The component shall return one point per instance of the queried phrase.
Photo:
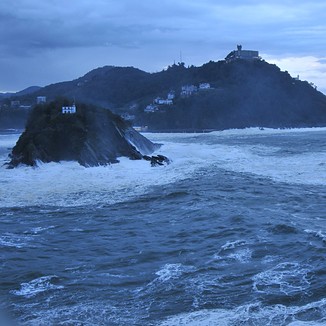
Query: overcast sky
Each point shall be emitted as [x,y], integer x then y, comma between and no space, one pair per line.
[47,41]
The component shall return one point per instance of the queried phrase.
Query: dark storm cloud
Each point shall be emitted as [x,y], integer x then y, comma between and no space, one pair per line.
[34,25]
[73,36]
[31,24]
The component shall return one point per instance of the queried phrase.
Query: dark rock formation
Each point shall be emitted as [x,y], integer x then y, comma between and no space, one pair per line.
[157,160]
[92,136]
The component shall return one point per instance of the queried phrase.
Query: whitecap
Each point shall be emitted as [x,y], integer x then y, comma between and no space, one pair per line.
[253,314]
[68,184]
[233,244]
[39,229]
[318,234]
[243,256]
[37,286]
[259,159]
[14,240]
[288,278]
[172,271]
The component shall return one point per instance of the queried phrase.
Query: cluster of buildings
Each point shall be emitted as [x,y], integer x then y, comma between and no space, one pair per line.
[15,104]
[153,107]
[186,91]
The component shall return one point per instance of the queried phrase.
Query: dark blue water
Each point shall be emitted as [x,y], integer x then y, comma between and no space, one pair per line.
[221,243]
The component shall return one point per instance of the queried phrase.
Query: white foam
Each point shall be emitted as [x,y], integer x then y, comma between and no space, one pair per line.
[14,240]
[36,286]
[243,256]
[319,234]
[172,271]
[253,314]
[287,278]
[233,244]
[258,159]
[69,184]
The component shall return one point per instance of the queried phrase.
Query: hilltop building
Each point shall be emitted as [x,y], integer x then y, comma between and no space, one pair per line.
[240,54]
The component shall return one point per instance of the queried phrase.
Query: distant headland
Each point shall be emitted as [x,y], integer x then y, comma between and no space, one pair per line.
[240,91]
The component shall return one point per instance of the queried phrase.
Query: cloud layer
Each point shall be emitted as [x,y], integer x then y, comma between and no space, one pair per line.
[48,41]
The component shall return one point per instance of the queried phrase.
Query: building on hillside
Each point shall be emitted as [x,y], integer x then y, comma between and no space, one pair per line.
[15,104]
[151,108]
[171,95]
[128,117]
[41,99]
[188,90]
[69,109]
[25,107]
[140,128]
[161,101]
[240,54]
[204,86]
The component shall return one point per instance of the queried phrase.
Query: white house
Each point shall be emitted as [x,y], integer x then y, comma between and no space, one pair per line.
[171,95]
[204,86]
[188,90]
[161,101]
[69,109]
[151,108]
[41,99]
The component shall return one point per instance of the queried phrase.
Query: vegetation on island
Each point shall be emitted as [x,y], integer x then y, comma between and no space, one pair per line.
[91,136]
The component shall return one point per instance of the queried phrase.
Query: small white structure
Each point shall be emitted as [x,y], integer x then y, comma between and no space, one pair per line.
[69,109]
[150,108]
[128,117]
[204,86]
[161,101]
[188,90]
[15,104]
[25,107]
[41,99]
[140,128]
[171,95]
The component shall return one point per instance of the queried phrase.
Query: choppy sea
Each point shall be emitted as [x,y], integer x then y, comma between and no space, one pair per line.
[232,232]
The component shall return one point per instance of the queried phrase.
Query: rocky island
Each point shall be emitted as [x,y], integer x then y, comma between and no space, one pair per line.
[62,131]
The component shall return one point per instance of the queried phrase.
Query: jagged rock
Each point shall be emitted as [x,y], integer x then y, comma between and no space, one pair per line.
[92,136]
[157,160]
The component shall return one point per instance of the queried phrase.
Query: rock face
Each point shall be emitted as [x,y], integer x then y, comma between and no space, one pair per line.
[91,136]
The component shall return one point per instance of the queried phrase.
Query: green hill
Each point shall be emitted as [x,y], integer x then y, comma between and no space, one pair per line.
[242,94]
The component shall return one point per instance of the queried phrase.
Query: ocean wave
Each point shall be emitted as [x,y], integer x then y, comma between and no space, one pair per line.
[38,285]
[258,157]
[234,244]
[68,184]
[318,234]
[287,278]
[15,240]
[311,314]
